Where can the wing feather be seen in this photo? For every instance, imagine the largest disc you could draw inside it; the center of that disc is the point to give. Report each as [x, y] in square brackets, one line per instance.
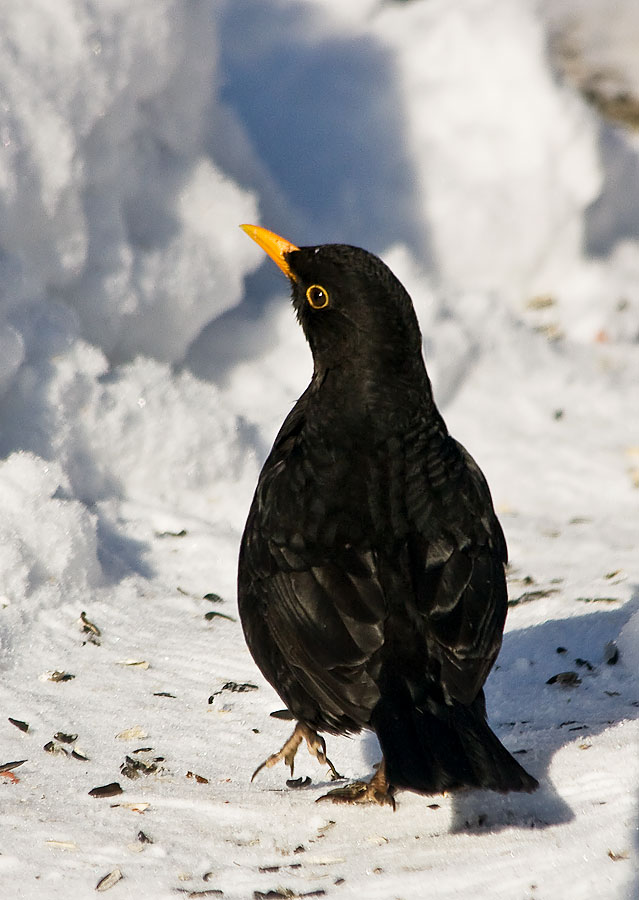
[311, 603]
[457, 566]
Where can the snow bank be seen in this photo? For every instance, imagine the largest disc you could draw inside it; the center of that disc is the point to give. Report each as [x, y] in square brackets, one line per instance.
[47, 543]
[108, 201]
[118, 238]
[498, 146]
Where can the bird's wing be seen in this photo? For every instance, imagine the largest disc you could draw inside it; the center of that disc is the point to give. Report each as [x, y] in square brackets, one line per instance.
[310, 600]
[456, 562]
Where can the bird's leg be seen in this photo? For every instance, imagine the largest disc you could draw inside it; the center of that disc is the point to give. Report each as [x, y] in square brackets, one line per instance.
[377, 790]
[316, 747]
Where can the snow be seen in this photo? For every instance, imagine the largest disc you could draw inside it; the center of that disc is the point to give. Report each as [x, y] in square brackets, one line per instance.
[147, 358]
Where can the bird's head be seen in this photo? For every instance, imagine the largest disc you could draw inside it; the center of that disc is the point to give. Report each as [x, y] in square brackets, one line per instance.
[350, 305]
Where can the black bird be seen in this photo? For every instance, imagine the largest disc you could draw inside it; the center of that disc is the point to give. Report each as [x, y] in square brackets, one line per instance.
[371, 578]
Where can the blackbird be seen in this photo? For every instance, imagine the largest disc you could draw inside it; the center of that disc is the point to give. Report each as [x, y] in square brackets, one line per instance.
[371, 580]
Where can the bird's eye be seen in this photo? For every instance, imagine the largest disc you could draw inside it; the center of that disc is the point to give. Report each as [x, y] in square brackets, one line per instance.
[317, 296]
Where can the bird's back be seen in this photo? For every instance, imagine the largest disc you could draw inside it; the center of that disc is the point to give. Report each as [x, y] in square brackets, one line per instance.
[404, 511]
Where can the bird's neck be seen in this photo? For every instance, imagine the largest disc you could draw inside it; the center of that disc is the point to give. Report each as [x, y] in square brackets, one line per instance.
[383, 400]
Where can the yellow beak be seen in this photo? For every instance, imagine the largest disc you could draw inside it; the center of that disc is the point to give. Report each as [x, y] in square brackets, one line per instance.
[276, 246]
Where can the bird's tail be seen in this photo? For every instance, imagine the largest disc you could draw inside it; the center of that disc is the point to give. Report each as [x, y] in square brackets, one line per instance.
[435, 747]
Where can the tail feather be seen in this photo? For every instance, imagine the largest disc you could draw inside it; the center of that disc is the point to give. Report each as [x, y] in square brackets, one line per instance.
[438, 747]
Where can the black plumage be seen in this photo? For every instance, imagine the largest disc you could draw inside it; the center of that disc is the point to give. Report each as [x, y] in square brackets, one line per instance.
[371, 578]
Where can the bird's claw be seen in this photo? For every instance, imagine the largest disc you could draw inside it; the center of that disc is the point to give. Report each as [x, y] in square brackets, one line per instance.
[316, 747]
[377, 790]
[360, 792]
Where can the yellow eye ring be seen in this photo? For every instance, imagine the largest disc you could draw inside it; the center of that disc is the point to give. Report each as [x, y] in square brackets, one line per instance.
[317, 296]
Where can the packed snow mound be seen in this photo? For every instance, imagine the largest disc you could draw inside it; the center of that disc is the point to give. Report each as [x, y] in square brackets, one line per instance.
[108, 201]
[48, 542]
[497, 144]
[144, 433]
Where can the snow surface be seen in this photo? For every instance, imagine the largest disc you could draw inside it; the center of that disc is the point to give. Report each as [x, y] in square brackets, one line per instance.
[147, 358]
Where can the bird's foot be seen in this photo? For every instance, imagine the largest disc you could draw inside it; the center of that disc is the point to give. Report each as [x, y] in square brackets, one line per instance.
[316, 747]
[377, 790]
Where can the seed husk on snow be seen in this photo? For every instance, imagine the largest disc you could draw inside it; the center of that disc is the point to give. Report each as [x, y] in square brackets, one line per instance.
[217, 615]
[23, 726]
[109, 880]
[55, 747]
[611, 653]
[207, 892]
[133, 768]
[286, 894]
[529, 596]
[199, 778]
[597, 599]
[89, 627]
[106, 790]
[584, 664]
[138, 806]
[131, 734]
[298, 782]
[282, 714]
[542, 301]
[10, 766]
[234, 688]
[271, 869]
[566, 679]
[65, 738]
[61, 845]
[57, 676]
[615, 857]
